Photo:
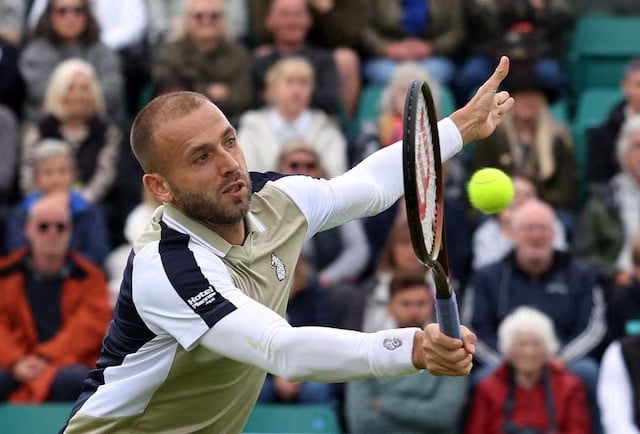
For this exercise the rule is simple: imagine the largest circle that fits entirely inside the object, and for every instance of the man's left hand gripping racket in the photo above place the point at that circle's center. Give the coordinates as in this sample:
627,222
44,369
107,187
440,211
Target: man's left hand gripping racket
424,198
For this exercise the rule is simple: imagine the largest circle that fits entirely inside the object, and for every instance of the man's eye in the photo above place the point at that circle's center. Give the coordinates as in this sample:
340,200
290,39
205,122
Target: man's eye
202,158
231,141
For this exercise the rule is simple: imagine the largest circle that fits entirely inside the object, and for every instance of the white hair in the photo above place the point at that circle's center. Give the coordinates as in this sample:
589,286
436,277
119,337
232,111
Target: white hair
402,76
527,319
61,80
49,148
629,127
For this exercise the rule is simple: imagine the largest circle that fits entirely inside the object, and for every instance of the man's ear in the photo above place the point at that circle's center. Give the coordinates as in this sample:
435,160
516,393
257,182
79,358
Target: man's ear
158,187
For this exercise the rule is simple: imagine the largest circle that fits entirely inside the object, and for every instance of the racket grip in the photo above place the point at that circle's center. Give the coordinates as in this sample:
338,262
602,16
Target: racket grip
447,315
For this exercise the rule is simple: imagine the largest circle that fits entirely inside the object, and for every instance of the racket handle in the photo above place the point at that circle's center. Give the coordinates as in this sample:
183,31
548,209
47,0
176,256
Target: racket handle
447,315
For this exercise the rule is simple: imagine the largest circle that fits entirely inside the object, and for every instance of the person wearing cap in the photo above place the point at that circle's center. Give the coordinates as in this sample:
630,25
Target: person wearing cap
531,142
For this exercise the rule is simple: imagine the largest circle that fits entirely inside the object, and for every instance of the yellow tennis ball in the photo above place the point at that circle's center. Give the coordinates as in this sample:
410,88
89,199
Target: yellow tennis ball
490,190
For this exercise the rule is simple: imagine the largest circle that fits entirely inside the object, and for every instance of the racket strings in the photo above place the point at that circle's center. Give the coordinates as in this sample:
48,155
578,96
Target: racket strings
426,177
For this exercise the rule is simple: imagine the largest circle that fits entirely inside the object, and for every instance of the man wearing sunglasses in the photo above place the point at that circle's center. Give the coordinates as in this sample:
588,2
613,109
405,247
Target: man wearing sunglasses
54,311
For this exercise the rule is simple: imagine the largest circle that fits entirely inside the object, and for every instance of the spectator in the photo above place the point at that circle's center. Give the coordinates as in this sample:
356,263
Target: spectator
308,306
53,311
204,59
11,83
611,218
492,240
415,404
54,173
288,117
426,32
536,275
135,223
624,305
602,159
531,142
370,314
532,30
289,22
619,387
12,14
529,393
8,154
74,111
65,30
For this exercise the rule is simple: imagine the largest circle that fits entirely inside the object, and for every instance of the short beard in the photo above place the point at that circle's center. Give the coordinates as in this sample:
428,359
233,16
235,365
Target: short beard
200,208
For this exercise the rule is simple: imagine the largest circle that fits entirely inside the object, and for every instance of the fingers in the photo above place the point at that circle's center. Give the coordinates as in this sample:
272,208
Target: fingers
444,355
501,71
469,340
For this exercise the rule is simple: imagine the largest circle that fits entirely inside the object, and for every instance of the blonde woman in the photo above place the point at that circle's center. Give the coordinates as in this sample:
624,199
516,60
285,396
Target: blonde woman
74,111
288,117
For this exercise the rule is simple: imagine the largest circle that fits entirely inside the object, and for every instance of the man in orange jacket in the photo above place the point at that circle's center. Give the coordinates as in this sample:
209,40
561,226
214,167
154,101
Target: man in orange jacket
54,311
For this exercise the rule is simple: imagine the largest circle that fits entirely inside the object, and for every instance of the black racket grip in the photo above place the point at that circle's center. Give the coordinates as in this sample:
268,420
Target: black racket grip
448,317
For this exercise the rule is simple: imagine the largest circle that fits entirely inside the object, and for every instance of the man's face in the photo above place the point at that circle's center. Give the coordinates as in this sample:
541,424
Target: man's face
301,162
49,230
528,105
54,174
533,233
203,167
205,20
631,90
289,21
411,307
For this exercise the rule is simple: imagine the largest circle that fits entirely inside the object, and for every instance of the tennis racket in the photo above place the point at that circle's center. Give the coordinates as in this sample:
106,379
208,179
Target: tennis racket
424,199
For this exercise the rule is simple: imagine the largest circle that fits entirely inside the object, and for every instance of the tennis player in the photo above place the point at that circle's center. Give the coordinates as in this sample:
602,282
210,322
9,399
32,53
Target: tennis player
200,315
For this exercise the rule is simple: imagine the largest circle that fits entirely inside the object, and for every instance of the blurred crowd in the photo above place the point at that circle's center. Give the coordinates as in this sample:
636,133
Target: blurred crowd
551,285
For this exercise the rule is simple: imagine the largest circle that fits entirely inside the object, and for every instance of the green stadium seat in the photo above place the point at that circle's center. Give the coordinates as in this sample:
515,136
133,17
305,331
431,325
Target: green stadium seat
600,49
50,418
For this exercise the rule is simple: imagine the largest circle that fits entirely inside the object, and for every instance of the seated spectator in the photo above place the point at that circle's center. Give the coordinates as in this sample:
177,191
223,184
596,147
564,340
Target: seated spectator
338,255
8,154
12,14
619,387
370,314
74,111
54,173
387,128
536,275
204,59
531,142
529,393
417,403
11,82
54,310
532,30
135,224
426,32
492,240
610,219
65,30
289,22
624,304
602,159
288,117
308,306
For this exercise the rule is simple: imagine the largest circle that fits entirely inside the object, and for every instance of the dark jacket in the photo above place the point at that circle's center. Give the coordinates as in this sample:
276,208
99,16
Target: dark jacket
310,307
567,293
90,235
602,161
624,311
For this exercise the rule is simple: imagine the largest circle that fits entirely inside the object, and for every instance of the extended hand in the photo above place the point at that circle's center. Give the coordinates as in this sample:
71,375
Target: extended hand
480,116
444,355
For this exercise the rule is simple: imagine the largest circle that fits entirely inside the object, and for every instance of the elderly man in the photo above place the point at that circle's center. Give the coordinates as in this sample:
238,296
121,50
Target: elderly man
536,275
54,311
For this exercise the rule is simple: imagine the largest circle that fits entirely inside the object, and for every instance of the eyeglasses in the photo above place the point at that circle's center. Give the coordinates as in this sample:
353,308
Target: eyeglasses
70,10
297,165
45,226
207,16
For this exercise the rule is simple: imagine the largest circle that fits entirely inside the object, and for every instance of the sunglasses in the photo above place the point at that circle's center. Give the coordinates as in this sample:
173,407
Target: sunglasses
297,165
207,16
45,226
70,10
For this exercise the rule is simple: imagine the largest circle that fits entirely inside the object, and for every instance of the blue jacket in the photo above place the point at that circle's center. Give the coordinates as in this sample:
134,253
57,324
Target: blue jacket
567,293
89,238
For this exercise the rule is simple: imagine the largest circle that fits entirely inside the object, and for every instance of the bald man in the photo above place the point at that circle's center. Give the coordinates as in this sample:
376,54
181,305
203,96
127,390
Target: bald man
200,316
534,274
54,308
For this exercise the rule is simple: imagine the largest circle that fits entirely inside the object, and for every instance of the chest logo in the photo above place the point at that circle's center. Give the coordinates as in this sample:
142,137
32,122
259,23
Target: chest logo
278,265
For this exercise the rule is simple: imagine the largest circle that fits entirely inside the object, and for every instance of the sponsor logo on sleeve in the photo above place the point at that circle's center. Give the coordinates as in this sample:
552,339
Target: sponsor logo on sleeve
392,343
203,298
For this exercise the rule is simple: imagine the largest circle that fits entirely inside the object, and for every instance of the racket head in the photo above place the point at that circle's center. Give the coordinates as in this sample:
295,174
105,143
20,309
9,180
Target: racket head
422,169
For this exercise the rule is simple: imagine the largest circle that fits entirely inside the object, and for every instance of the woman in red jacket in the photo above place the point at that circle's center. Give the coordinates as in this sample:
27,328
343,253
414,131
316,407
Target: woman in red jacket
528,393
